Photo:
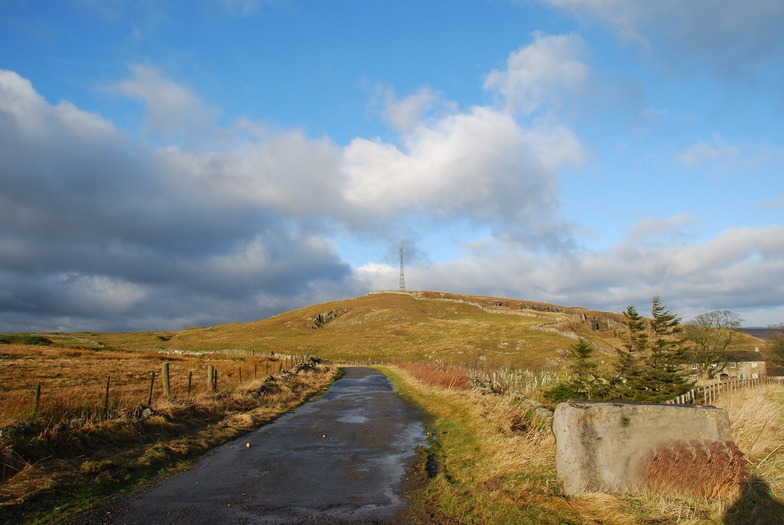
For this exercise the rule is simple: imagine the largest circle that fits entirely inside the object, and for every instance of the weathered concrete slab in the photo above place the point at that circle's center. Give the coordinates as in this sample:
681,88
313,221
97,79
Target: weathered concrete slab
618,447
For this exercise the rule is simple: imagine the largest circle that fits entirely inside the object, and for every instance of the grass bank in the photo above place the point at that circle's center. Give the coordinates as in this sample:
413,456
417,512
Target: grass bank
757,417
491,462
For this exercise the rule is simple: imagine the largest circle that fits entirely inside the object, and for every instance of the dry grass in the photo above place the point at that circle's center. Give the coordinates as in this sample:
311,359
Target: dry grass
494,465
73,381
757,417
386,327
71,453
443,377
714,470
497,467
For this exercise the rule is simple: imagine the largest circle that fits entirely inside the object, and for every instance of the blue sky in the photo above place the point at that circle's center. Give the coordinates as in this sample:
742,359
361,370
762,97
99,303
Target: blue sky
168,164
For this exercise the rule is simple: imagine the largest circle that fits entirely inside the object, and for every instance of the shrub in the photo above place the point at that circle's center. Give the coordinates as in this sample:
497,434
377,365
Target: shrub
24,339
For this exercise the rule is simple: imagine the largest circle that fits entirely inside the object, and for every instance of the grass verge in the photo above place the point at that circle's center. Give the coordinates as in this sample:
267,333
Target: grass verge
489,462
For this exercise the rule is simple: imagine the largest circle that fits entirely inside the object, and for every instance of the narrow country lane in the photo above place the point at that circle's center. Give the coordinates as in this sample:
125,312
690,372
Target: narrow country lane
339,459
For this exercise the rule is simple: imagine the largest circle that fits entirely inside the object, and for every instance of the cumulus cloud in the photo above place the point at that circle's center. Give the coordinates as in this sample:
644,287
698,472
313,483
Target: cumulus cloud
540,74
98,231
479,165
407,113
101,231
741,270
178,231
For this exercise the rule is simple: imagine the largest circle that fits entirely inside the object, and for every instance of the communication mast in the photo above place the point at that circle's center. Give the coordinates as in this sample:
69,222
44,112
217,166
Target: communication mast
402,276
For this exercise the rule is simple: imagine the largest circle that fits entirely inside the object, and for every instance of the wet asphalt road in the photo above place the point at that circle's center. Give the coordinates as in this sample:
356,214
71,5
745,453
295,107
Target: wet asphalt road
339,459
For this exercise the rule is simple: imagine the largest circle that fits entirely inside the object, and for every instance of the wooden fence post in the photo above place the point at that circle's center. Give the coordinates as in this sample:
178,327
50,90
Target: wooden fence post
240,368
165,378
190,377
211,378
37,398
106,398
152,382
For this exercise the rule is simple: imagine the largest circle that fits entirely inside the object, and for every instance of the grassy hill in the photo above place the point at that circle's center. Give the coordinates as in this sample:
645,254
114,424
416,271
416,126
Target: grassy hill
472,331
493,462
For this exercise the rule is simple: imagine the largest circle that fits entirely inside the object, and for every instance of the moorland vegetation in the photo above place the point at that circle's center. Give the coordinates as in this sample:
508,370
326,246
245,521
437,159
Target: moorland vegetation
67,445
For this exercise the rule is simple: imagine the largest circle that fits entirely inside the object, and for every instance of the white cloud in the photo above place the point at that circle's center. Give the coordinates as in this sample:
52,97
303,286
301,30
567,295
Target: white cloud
732,38
481,165
774,203
720,155
540,74
172,110
101,294
740,270
92,224
247,222
285,172
673,229
407,113
717,151
33,116
622,15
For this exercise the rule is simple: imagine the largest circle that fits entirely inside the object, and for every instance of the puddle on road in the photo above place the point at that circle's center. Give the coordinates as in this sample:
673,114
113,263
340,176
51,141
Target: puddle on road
357,419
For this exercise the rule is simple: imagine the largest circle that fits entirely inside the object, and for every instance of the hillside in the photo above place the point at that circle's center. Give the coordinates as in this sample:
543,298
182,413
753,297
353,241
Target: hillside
473,331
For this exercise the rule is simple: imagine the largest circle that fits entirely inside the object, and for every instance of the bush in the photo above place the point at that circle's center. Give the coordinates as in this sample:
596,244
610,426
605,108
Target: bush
563,392
24,339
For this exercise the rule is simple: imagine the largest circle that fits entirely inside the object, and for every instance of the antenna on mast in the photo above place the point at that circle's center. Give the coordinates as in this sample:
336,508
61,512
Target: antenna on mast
402,276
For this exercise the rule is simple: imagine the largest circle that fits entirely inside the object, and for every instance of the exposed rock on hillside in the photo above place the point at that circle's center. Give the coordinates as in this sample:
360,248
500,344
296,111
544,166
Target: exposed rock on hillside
326,317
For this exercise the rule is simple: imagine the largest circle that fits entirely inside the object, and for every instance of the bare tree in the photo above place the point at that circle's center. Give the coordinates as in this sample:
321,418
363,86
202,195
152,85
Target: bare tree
710,335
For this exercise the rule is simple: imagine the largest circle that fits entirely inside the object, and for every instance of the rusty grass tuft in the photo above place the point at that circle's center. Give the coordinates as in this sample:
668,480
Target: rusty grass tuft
711,470
438,376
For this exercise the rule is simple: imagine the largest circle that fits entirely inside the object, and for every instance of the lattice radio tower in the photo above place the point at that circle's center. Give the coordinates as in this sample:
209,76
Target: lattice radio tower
402,276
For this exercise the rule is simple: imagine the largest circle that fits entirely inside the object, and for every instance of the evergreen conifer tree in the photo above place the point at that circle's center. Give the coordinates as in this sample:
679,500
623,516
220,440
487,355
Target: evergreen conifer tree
663,378
627,380
584,381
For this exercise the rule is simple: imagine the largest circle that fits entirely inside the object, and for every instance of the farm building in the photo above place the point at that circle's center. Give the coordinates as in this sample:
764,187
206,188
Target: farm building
740,366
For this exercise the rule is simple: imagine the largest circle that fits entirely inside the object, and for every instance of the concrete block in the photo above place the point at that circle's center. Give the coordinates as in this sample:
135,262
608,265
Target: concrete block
613,447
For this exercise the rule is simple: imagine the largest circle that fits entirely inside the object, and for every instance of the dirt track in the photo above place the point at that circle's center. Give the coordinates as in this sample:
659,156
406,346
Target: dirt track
340,459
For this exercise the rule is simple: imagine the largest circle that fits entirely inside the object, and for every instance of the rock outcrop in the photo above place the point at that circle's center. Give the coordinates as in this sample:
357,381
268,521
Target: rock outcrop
326,317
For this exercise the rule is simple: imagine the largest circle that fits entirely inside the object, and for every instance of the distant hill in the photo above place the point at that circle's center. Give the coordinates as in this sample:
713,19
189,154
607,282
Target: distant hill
473,331
758,332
